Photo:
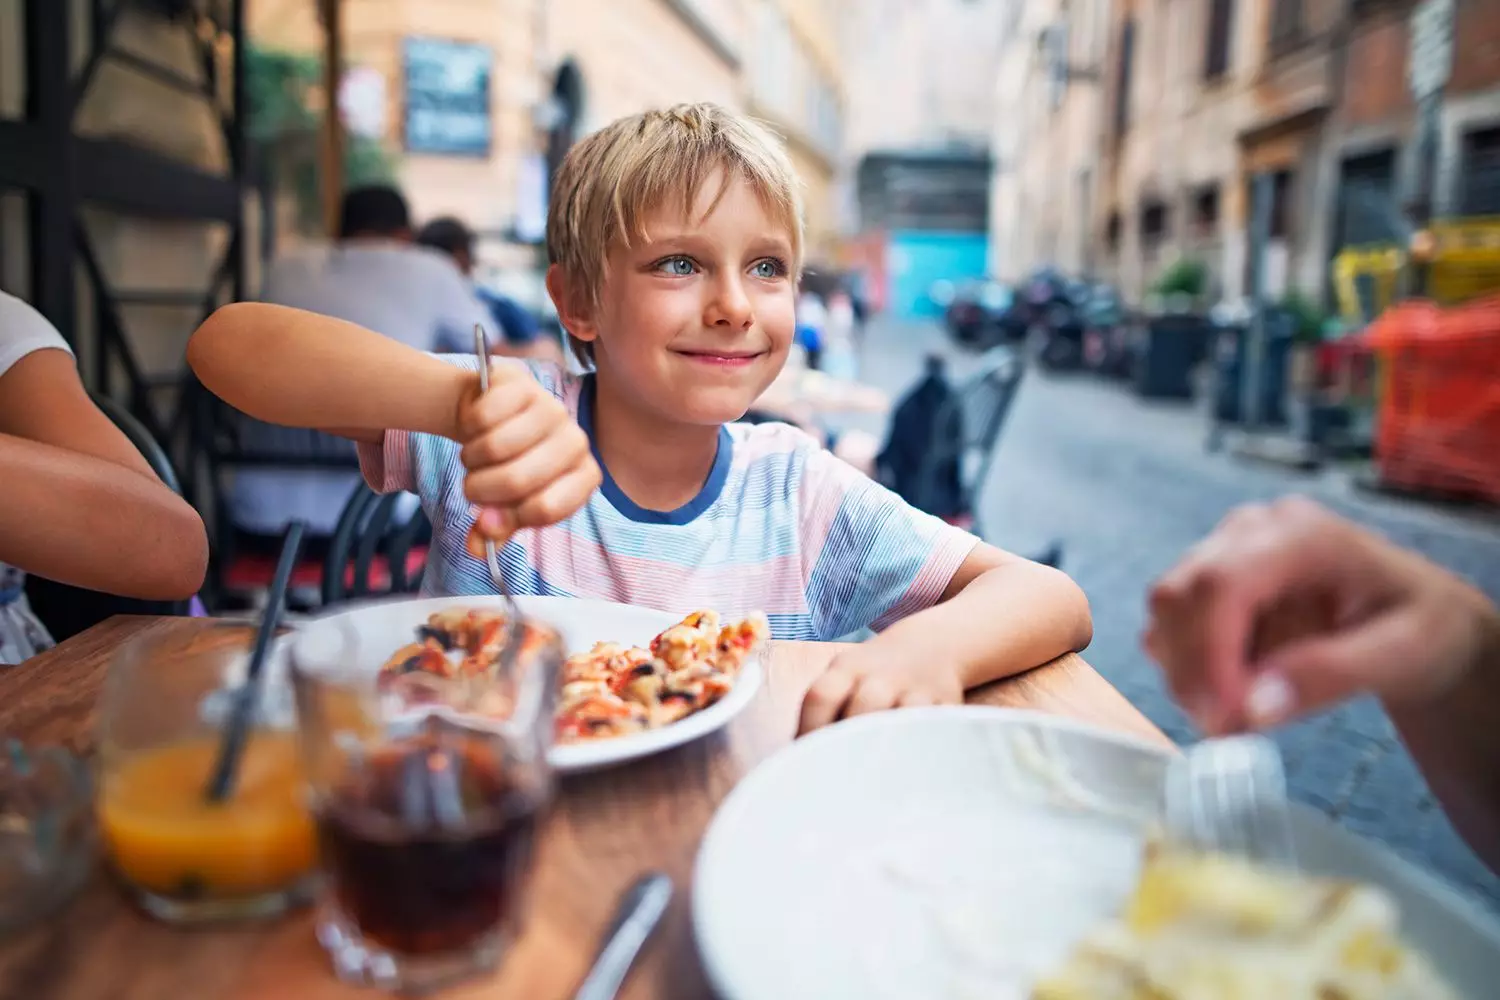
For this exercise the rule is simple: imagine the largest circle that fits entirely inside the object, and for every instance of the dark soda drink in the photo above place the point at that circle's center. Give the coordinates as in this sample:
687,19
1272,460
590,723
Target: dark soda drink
428,842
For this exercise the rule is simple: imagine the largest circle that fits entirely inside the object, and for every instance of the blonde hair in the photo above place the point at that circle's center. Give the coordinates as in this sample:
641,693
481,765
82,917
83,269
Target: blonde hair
612,180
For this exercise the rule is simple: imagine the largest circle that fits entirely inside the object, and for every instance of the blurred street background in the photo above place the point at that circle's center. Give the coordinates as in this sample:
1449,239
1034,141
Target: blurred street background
1201,225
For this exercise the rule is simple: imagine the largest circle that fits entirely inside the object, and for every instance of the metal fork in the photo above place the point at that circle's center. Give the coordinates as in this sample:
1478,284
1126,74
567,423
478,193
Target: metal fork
513,620
1229,795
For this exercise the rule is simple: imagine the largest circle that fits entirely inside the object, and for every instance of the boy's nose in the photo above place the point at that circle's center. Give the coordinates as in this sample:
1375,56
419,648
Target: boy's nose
730,306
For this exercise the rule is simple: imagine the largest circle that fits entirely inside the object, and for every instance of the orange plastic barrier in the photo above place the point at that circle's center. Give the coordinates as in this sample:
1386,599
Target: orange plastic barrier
1438,424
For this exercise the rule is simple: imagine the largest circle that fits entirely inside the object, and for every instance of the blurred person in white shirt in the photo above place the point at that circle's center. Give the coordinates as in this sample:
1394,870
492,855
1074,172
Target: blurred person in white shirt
375,275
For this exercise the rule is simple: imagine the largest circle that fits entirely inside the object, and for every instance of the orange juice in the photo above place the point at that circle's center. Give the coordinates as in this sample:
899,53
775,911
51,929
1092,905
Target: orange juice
165,837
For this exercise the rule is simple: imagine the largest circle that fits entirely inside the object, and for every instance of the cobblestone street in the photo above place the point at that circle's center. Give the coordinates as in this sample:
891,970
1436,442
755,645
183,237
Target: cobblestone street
1128,486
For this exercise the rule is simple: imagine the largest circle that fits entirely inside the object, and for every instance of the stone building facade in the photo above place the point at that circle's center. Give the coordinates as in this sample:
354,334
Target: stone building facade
1194,100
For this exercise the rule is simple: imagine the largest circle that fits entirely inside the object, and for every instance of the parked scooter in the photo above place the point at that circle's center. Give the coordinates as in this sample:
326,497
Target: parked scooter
1106,334
1056,320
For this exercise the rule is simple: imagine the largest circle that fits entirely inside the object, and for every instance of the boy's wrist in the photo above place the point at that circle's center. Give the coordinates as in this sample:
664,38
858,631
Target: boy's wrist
449,395
905,645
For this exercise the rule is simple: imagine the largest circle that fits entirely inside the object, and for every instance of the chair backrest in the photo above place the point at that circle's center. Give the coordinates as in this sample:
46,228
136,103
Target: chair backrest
67,610
979,407
373,551
150,449
225,440
230,438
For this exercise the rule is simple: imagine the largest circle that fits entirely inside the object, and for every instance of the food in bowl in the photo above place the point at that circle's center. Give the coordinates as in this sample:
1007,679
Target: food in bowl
1214,927
611,690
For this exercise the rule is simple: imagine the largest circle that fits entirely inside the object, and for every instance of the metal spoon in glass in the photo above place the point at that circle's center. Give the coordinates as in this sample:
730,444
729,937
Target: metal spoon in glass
513,622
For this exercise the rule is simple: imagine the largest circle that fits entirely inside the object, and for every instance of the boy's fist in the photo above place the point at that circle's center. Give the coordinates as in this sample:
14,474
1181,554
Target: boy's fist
528,461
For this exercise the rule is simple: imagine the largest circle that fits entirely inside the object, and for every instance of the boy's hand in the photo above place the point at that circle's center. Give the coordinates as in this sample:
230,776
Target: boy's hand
528,461
863,679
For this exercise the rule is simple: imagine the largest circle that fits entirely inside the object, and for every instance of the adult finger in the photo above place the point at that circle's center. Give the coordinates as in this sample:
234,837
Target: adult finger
1203,616
825,700
916,699
1310,674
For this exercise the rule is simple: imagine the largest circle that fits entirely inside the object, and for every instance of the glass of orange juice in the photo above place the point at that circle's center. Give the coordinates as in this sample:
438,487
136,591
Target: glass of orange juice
184,858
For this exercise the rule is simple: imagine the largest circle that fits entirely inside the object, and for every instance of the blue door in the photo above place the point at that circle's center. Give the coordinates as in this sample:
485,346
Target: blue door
916,259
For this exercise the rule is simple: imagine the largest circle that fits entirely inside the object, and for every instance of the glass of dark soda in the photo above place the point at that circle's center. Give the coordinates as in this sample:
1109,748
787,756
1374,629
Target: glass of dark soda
427,788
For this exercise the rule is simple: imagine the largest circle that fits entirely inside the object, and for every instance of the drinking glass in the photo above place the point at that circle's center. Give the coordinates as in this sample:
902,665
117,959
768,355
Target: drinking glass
183,858
426,793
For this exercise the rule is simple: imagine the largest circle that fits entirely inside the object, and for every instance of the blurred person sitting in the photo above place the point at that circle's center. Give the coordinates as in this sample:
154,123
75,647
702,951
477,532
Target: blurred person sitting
522,334
82,506
1286,609
375,275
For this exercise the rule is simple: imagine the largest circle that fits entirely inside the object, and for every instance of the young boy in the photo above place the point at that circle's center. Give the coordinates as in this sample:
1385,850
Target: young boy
676,241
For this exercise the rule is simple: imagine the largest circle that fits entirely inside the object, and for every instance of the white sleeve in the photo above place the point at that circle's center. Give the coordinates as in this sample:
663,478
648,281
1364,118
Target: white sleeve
24,330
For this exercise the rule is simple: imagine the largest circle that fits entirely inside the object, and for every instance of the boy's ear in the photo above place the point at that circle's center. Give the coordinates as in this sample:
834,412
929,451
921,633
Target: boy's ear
573,310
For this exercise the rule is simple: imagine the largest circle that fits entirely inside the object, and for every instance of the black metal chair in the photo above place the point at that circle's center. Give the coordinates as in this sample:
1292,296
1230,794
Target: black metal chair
150,449
226,441
67,610
373,553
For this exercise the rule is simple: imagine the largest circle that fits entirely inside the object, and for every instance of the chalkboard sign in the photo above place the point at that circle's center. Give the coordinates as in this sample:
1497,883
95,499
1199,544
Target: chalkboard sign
447,97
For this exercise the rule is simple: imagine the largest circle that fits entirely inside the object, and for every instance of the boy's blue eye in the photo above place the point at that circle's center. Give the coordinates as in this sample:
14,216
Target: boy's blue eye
677,266
768,268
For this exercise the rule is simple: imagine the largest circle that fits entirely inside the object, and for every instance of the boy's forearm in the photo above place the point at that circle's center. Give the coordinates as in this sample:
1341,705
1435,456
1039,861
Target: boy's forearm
1007,620
300,369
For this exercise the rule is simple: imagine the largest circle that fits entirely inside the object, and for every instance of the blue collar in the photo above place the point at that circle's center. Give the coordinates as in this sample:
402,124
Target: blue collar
712,486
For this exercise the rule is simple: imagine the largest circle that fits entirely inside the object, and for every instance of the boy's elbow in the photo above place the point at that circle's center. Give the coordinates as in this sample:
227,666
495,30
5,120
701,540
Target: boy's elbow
223,328
1074,604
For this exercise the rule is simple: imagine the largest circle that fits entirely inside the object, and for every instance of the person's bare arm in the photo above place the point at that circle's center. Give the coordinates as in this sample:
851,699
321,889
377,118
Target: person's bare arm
1000,614
1456,743
82,506
300,369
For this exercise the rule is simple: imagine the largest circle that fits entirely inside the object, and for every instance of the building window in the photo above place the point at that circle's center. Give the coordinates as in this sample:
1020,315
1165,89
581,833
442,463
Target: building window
1220,34
1155,223
1112,232
1124,82
1206,211
1481,173
1286,25
1281,204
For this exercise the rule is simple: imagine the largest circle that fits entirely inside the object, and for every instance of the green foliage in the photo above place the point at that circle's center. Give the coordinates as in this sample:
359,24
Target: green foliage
282,88
1308,317
1185,276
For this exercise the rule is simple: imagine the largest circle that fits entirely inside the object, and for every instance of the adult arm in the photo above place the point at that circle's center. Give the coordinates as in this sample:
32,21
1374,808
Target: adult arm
82,506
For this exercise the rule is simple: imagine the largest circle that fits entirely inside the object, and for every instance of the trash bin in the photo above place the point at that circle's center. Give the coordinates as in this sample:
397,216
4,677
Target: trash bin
1229,367
1167,351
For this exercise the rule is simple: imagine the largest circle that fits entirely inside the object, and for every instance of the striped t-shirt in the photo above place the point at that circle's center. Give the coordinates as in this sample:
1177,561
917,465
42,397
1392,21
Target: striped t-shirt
780,525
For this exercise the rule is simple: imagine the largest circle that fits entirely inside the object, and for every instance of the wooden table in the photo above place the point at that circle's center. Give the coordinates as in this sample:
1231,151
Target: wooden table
606,829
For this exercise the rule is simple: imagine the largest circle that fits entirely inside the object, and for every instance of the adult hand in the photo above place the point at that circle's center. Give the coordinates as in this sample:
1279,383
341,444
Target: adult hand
1287,608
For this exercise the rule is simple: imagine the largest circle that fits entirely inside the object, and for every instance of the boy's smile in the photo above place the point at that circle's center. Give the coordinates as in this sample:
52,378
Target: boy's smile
695,318
720,358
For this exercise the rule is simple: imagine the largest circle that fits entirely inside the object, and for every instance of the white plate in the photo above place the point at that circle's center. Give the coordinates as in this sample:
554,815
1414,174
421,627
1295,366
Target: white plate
960,852
386,625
